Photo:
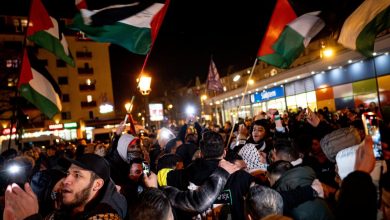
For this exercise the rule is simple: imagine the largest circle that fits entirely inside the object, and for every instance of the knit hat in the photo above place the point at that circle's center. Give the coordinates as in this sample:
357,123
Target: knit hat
123,144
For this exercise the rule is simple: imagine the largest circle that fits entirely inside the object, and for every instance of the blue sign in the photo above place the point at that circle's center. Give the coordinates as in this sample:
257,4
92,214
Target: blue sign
268,94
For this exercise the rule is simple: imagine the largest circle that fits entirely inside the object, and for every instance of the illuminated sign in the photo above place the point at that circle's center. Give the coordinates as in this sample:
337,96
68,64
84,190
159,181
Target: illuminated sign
7,131
268,94
70,125
156,112
56,127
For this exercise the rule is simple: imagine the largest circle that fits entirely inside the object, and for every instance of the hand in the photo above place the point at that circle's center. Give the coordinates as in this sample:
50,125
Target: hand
312,118
229,167
120,128
151,180
317,186
20,204
365,159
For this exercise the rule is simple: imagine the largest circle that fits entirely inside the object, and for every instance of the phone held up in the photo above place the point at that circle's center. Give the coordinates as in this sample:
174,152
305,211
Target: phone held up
371,127
146,168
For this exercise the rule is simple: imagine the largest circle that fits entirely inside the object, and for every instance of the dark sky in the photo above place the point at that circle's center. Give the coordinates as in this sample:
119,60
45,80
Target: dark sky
192,32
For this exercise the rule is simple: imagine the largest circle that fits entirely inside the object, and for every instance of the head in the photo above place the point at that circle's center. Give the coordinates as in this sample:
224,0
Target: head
259,130
153,204
168,161
355,203
163,136
212,145
51,150
85,179
191,138
263,201
316,150
284,150
172,145
276,170
135,169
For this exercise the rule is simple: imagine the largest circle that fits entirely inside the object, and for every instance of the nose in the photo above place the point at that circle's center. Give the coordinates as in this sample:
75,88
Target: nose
68,180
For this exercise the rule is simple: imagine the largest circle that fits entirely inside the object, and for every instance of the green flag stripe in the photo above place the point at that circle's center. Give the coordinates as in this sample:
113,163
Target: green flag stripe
40,101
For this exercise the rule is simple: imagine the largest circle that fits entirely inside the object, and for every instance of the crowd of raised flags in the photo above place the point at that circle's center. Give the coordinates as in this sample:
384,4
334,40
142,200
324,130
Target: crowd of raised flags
135,26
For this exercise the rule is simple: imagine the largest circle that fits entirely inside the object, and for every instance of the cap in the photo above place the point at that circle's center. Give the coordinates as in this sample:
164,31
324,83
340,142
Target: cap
94,163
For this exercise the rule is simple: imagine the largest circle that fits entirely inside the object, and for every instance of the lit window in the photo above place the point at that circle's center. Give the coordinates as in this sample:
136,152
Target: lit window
89,98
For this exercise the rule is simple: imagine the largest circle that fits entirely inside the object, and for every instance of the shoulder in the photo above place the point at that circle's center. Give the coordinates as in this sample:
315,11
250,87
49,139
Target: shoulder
103,211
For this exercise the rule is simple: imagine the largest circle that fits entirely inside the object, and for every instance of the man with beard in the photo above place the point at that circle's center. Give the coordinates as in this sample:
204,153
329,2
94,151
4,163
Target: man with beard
87,193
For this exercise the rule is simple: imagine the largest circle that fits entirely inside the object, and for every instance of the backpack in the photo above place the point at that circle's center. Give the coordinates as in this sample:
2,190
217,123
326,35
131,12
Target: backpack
338,140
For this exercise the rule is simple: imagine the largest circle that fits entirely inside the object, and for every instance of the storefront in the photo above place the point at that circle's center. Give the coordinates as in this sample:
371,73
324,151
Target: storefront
272,98
66,131
232,112
301,94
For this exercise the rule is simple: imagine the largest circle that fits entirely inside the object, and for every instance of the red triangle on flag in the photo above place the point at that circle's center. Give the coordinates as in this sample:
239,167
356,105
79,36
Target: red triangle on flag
39,18
25,74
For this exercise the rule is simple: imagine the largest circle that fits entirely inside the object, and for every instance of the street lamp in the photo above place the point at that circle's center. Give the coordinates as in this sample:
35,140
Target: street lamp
144,87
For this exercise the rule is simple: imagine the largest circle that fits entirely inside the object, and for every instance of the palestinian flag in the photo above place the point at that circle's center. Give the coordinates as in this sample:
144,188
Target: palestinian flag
38,86
287,35
44,31
133,26
362,26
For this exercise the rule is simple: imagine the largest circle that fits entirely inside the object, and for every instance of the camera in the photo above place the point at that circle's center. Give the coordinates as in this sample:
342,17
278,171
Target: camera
146,168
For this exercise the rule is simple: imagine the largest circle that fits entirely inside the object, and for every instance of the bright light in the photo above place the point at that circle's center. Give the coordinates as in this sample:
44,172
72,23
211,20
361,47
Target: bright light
328,52
349,61
89,98
251,82
248,71
144,84
298,77
13,169
312,72
88,81
190,110
275,84
224,89
374,54
329,67
128,106
139,114
170,106
236,78
203,97
106,108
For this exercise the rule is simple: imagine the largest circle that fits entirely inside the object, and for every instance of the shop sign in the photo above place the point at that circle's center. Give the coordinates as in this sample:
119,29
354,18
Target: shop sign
268,94
7,131
56,127
70,125
156,112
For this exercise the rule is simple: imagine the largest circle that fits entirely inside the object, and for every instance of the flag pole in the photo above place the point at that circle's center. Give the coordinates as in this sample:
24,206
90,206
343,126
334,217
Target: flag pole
243,97
16,104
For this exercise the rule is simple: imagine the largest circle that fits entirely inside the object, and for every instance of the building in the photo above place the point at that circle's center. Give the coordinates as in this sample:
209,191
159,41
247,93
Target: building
86,88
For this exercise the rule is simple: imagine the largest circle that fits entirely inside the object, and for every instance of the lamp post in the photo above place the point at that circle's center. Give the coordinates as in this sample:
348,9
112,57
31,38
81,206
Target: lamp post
144,87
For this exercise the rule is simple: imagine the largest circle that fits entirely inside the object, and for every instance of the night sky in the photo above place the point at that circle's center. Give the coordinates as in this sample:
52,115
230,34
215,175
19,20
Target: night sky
192,32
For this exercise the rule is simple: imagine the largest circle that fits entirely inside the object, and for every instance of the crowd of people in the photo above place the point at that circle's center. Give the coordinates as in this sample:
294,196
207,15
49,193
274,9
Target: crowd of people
303,165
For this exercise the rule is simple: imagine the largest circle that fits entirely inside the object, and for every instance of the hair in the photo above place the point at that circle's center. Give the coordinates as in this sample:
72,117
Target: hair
276,217
287,149
358,197
153,204
167,161
263,201
170,145
279,167
211,145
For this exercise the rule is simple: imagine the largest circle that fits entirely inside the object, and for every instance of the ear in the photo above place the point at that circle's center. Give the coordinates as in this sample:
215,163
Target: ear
97,184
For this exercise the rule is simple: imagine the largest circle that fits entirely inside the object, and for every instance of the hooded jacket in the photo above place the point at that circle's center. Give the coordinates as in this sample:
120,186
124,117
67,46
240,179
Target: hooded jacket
299,177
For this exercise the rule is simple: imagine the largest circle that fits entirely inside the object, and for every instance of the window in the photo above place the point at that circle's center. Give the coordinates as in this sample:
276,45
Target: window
89,98
63,80
61,63
85,70
65,115
65,98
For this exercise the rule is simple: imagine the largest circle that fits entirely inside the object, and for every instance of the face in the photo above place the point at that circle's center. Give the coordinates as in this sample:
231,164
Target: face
258,132
135,172
317,151
77,187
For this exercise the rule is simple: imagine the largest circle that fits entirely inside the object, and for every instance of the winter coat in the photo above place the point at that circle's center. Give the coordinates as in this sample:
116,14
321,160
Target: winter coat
299,177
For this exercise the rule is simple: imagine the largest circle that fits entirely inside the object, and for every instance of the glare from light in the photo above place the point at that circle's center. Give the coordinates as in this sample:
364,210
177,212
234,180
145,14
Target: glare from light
275,84
203,97
298,77
374,54
329,67
312,72
144,84
128,106
170,106
328,52
236,78
88,82
13,169
251,82
106,108
248,71
190,110
224,89
349,61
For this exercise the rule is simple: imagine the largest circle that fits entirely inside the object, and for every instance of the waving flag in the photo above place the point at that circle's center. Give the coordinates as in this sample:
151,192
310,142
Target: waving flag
44,31
287,35
38,86
133,26
361,27
213,81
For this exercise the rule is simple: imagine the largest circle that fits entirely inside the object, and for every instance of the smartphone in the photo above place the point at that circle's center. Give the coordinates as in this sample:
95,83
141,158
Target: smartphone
146,168
371,127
